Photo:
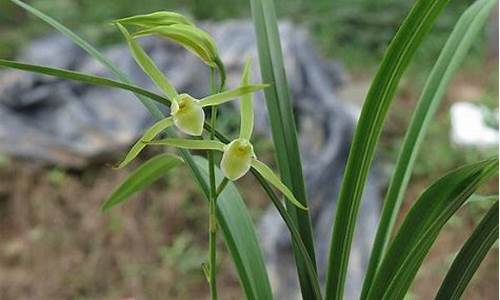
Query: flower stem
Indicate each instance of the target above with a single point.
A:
(212, 228)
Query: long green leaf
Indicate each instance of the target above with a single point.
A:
(422, 225)
(240, 237)
(470, 257)
(147, 173)
(279, 106)
(380, 95)
(237, 210)
(83, 77)
(467, 28)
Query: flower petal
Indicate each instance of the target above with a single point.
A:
(147, 65)
(190, 144)
(150, 134)
(273, 179)
(231, 94)
(188, 114)
(236, 159)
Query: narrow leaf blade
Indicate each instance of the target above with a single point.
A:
(280, 108)
(140, 178)
(452, 55)
(422, 225)
(470, 257)
(83, 77)
(380, 96)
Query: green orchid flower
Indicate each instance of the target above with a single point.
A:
(187, 113)
(238, 156)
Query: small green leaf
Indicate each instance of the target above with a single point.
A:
(192, 38)
(269, 175)
(149, 135)
(246, 105)
(231, 94)
(147, 64)
(140, 178)
(190, 144)
(469, 258)
(160, 18)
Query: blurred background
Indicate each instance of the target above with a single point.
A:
(55, 244)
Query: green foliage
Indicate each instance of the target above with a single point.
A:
(147, 173)
(382, 90)
(422, 225)
(470, 256)
(447, 64)
(390, 272)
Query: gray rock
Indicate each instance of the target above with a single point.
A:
(71, 124)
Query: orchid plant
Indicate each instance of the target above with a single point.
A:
(188, 116)
(396, 255)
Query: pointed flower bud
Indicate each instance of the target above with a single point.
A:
(237, 159)
(188, 114)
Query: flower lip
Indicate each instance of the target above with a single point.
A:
(237, 158)
(188, 114)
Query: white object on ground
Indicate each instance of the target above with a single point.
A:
(469, 128)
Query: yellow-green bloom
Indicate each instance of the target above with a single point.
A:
(238, 156)
(237, 159)
(188, 114)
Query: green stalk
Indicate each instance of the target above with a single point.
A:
(212, 227)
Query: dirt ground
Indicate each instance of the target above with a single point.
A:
(55, 244)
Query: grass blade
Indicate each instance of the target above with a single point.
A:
(470, 257)
(422, 225)
(144, 175)
(380, 95)
(450, 59)
(279, 106)
(240, 237)
(263, 291)
(83, 77)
